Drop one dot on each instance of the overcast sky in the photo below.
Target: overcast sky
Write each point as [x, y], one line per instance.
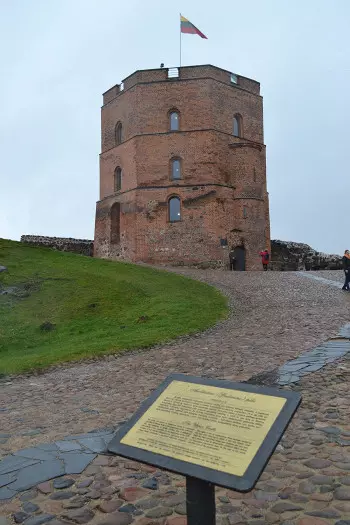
[57, 57]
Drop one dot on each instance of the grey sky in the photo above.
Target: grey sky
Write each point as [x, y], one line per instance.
[58, 56]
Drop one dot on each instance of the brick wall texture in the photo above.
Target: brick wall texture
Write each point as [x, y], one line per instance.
[222, 189]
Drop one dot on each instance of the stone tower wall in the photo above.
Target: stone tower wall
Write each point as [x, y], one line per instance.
[223, 194]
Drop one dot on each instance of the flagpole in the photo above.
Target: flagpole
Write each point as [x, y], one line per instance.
[180, 39]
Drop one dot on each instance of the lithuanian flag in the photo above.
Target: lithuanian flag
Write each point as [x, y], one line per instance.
[187, 27]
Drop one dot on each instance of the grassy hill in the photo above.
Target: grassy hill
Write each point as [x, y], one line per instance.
[63, 307]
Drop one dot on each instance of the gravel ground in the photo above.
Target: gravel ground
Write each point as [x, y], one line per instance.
[274, 317]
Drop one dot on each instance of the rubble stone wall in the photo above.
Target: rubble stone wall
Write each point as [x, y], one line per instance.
[285, 256]
[293, 256]
[63, 244]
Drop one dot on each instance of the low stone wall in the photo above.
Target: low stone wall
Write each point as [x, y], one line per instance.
[285, 256]
[63, 244]
[293, 256]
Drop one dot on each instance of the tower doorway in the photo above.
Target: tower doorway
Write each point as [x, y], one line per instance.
[239, 254]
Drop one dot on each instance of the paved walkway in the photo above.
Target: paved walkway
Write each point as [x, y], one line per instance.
[307, 481]
[275, 317]
[336, 283]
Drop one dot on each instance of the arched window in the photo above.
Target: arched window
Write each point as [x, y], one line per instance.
[175, 169]
[174, 209]
[115, 223]
[117, 179]
[174, 119]
[118, 133]
[237, 126]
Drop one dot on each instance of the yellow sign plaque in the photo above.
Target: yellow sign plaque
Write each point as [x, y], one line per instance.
[217, 428]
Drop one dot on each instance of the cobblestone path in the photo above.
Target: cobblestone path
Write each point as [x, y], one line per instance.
[274, 318]
[307, 481]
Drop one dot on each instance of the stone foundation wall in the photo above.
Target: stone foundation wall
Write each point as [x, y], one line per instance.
[80, 246]
[208, 228]
[293, 256]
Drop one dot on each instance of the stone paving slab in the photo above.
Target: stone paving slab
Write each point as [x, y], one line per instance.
[76, 463]
[13, 463]
[94, 444]
[6, 479]
[314, 360]
[28, 477]
[68, 446]
[6, 493]
[29, 467]
[345, 331]
[324, 280]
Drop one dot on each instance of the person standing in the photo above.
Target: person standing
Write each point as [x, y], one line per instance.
[265, 259]
[232, 260]
[346, 266]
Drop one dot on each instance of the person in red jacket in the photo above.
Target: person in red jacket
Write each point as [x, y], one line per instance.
[265, 259]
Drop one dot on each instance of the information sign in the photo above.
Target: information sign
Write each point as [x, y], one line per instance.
[218, 431]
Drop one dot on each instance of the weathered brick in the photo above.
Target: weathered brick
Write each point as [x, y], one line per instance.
[223, 185]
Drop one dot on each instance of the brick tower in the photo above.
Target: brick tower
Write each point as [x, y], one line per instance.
[183, 169]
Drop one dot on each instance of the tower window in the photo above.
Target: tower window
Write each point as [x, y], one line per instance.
[254, 175]
[175, 169]
[118, 133]
[174, 118]
[118, 179]
[245, 212]
[234, 79]
[237, 126]
[174, 209]
[115, 223]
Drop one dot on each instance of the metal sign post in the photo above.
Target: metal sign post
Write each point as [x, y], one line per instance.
[200, 502]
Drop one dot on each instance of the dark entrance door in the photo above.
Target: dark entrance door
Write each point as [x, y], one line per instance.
[239, 253]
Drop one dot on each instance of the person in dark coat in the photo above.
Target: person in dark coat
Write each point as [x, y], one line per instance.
[232, 260]
[346, 266]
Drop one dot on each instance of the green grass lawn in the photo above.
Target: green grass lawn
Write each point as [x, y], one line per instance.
[96, 307]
